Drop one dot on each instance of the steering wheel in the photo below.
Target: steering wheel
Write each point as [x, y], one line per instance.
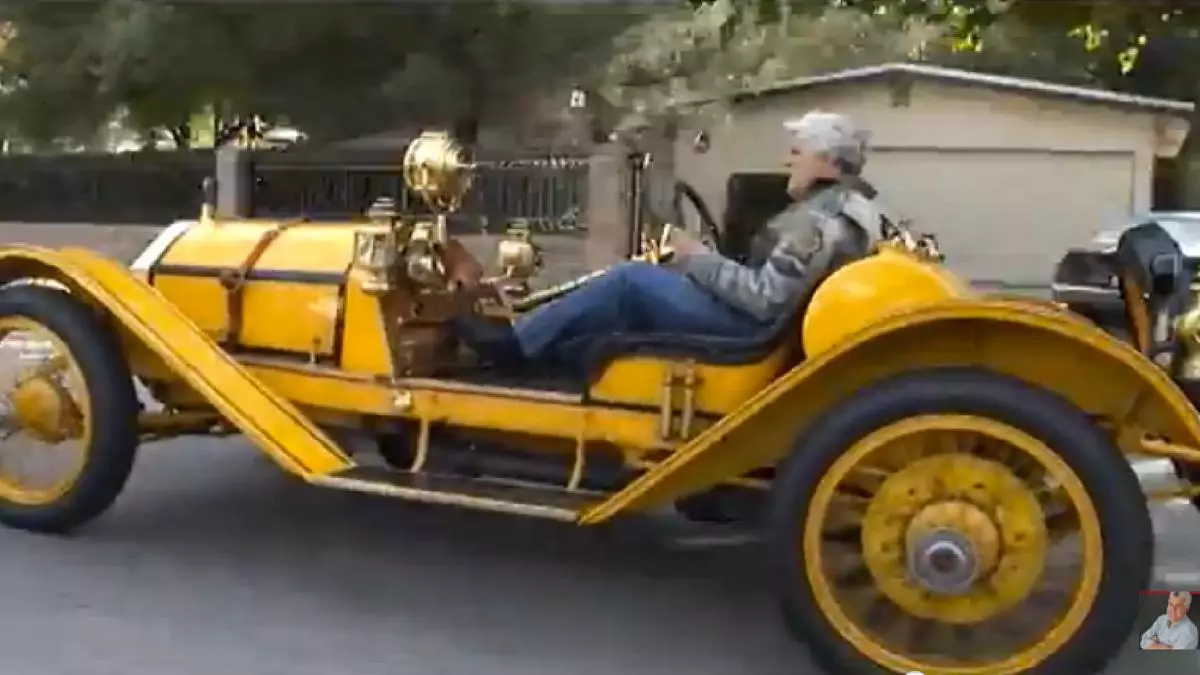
[706, 229]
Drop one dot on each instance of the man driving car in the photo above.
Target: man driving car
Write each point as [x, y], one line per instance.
[831, 222]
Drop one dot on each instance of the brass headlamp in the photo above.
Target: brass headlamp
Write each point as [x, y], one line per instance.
[1187, 334]
[436, 168]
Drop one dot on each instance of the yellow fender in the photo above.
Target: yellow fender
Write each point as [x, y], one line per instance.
[267, 419]
[1032, 341]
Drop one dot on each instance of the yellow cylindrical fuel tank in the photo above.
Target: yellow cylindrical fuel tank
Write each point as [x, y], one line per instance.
[867, 290]
[257, 285]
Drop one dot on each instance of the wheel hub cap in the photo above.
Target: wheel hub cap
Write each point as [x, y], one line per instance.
[943, 562]
[45, 409]
[954, 538]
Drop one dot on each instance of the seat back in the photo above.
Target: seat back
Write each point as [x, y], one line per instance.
[1154, 284]
[751, 199]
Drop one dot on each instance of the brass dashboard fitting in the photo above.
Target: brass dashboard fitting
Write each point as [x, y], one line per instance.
[517, 256]
[422, 264]
[375, 253]
[383, 211]
[1187, 332]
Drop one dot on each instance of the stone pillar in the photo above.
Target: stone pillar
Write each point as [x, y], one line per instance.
[235, 180]
[606, 219]
[608, 216]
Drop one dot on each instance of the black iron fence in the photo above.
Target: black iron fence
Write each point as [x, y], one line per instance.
[126, 188]
[549, 193]
[158, 187]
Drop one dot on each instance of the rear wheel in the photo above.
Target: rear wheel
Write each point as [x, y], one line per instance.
[68, 411]
[959, 522]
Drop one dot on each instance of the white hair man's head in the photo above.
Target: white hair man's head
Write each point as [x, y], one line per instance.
[824, 145]
[1178, 605]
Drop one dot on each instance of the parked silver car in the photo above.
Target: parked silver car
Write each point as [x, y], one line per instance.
[1085, 278]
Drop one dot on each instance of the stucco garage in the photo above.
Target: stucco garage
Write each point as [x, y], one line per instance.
[1008, 172]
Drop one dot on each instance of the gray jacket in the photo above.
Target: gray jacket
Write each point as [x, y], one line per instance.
[834, 225]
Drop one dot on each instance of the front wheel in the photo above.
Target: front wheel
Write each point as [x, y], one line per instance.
[959, 522]
[68, 411]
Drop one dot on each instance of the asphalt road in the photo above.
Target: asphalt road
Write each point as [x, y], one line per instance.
[214, 562]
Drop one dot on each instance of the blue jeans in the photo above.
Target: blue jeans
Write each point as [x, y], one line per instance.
[633, 297]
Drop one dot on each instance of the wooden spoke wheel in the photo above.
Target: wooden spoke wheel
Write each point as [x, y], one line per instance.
[68, 411]
[958, 522]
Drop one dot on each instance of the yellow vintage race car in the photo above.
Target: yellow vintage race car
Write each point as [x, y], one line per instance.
[944, 478]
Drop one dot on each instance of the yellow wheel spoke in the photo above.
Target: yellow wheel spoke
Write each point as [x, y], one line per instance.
[967, 558]
[865, 480]
[854, 575]
[47, 416]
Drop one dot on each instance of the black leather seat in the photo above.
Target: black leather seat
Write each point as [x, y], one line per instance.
[592, 354]
[577, 363]
[751, 199]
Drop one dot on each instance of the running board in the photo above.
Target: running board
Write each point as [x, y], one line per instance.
[482, 494]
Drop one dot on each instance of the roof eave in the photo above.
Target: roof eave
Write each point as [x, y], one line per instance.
[967, 78]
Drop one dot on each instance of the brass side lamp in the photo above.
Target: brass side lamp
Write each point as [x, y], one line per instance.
[517, 256]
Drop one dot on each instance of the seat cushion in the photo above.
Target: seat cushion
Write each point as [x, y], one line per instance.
[593, 353]
[751, 200]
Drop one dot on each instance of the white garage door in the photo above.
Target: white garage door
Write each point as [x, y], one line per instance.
[1005, 216]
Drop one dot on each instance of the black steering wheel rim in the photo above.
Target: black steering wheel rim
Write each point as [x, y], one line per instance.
[710, 232]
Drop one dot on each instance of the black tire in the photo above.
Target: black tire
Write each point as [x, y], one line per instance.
[725, 505]
[1128, 541]
[114, 410]
[397, 449]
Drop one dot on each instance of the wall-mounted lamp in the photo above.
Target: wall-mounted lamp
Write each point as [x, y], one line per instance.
[578, 99]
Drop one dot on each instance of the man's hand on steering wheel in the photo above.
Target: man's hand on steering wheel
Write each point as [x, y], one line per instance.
[682, 244]
[710, 233]
[677, 240]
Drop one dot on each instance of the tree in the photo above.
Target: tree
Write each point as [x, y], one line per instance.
[46, 56]
[161, 62]
[716, 49]
[487, 60]
[332, 69]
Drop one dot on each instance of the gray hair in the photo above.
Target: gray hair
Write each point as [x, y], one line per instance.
[834, 135]
[1185, 596]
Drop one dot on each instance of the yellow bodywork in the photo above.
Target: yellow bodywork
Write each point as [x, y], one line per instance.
[311, 349]
[295, 297]
[163, 337]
